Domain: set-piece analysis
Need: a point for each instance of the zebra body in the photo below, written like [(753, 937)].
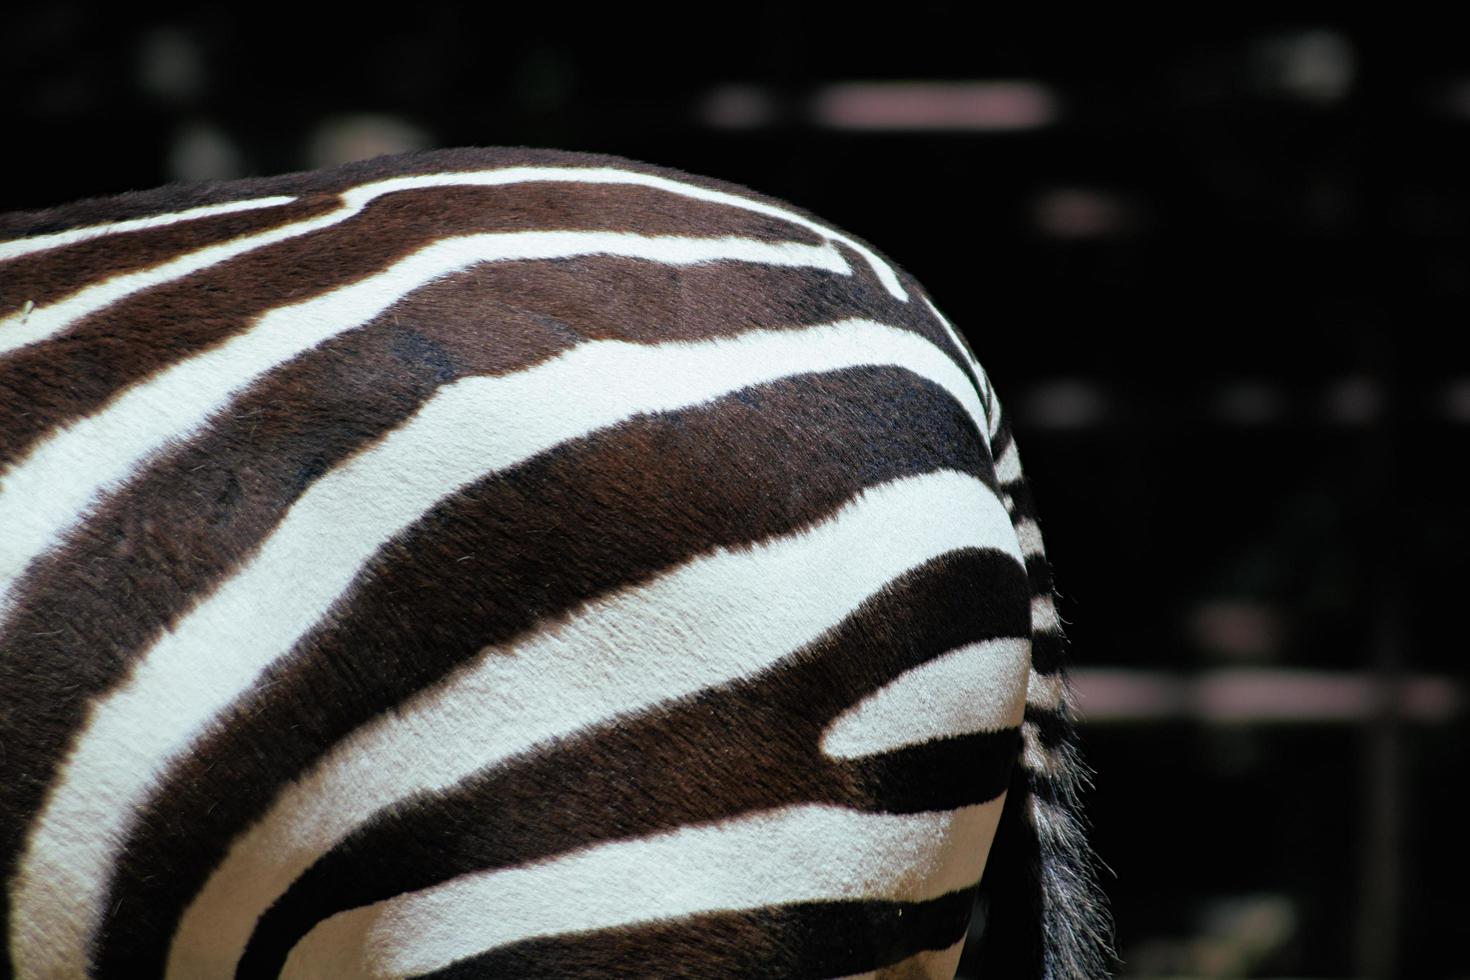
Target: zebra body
[(512, 563)]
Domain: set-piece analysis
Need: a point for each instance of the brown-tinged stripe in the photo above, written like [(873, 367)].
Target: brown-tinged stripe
[(596, 514), (55, 273), (815, 940), (51, 383), (747, 745)]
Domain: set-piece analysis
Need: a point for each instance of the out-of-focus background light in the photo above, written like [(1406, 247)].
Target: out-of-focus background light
[(934, 106)]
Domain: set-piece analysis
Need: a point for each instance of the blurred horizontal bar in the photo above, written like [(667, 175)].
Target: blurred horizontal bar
[(1080, 213), (935, 106), (738, 107), (1256, 696), (1344, 402)]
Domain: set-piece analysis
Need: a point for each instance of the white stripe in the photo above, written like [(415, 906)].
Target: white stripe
[(1046, 690), (1028, 532), (954, 338), (49, 491), (457, 437), (796, 854), (994, 402), (1008, 466), (40, 243), (47, 321), (726, 615), (1033, 754), (986, 391), (1044, 618), (980, 687), (1053, 823)]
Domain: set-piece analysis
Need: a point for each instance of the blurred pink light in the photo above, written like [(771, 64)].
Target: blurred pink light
[(1074, 212), (1127, 695), (935, 106), (1237, 628), (738, 107), (1259, 696)]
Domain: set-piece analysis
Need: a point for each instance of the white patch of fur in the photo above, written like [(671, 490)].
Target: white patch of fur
[(987, 391), (1029, 534), (1044, 618), (51, 319), (1046, 690), (1008, 466), (794, 854), (1033, 754), (49, 490), (979, 687), (309, 562)]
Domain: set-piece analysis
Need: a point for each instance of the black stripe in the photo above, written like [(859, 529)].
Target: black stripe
[(1003, 439), (588, 517), (1054, 728), (962, 353), (1048, 647), (805, 940), (46, 276)]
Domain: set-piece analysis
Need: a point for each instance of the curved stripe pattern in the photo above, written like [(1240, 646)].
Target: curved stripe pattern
[(46, 492), (511, 563), (783, 857), (20, 330), (313, 557), (507, 702)]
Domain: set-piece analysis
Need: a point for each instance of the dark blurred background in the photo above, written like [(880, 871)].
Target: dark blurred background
[(1217, 274)]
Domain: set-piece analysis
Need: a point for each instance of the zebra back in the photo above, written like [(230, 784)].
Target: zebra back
[(501, 562)]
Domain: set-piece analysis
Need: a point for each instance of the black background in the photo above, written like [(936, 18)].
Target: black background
[(1237, 368)]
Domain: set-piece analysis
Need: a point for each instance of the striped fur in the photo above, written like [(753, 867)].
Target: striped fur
[(513, 563)]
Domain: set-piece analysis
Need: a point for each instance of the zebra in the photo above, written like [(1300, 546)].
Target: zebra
[(500, 562)]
